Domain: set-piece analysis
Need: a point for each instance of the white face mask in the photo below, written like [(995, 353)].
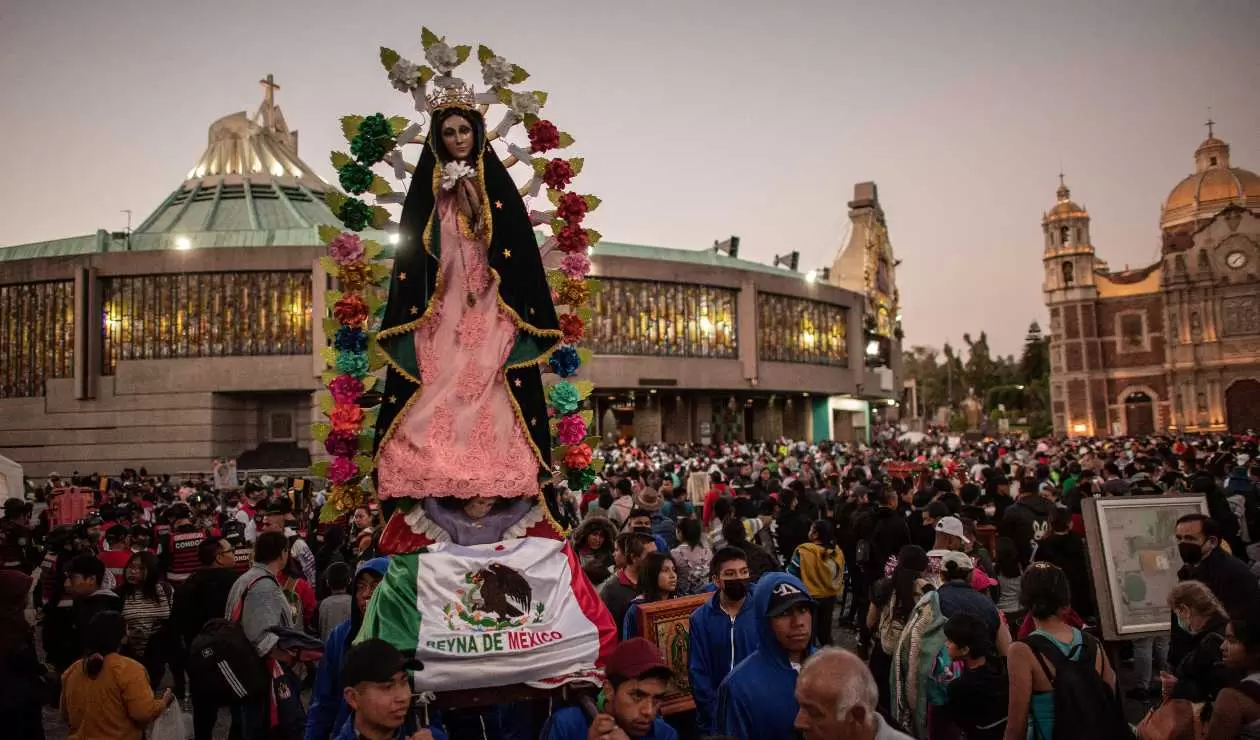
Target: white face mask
[(989, 511)]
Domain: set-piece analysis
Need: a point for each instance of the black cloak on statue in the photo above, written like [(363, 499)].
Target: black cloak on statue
[(522, 287)]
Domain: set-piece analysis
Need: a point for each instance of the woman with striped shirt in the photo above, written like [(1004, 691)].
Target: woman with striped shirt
[(147, 610)]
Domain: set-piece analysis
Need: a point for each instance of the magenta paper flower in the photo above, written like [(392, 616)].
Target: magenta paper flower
[(342, 470), (345, 389), (342, 444), (576, 265), (570, 429), (346, 248)]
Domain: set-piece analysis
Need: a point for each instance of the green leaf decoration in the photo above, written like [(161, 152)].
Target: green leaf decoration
[(426, 73), (519, 75), (398, 124), (331, 326), (556, 224), (557, 453), (379, 186), (334, 200), (585, 355), (553, 196), (555, 278), (376, 361), (321, 431), (428, 38), (591, 202), (350, 126), (325, 402), (364, 462), (585, 315), (504, 95), (540, 166), (379, 273), (380, 217), (542, 97), (328, 233), (531, 120), (373, 302), (389, 58), (329, 356), (340, 159), (462, 52), (597, 465), (320, 469), (365, 443), (328, 512), (576, 163), (584, 387), (566, 141), (329, 266), (327, 376), (370, 417), (332, 296), (373, 249), (593, 236), (484, 54), (588, 416), (369, 381)]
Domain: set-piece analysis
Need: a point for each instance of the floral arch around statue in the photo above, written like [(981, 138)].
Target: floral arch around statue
[(463, 440)]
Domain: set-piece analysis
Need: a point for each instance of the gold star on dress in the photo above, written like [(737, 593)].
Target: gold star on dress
[(507, 253), (393, 399), (414, 310), (402, 276), (517, 382), (533, 421), (498, 204)]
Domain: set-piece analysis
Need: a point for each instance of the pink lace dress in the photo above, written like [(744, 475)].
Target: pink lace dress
[(460, 435)]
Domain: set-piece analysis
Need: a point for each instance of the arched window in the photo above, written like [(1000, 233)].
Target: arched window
[(1069, 278), (1064, 232)]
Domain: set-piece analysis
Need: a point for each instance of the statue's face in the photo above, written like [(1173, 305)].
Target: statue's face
[(479, 507), (457, 135)]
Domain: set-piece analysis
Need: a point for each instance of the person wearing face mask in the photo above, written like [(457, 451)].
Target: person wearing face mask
[(723, 631), (1228, 578), (1201, 673)]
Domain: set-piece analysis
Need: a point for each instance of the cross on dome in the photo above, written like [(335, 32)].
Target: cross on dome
[(267, 111)]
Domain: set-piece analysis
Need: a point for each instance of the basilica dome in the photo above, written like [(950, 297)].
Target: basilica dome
[(1213, 186)]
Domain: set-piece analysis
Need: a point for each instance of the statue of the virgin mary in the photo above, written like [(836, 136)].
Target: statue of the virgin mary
[(463, 444)]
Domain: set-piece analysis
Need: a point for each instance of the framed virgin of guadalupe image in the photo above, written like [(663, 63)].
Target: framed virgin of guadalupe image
[(667, 624), (1134, 561)]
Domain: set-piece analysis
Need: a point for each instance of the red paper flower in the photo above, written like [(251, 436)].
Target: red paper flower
[(571, 239), (351, 310), (346, 418), (573, 328), (543, 137), (571, 208), (559, 174), (578, 457)]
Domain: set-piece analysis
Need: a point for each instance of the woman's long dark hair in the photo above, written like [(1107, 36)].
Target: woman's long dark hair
[(1007, 558), (826, 537), (649, 575), (690, 530), (104, 635), (1044, 590), (148, 587), (912, 561)]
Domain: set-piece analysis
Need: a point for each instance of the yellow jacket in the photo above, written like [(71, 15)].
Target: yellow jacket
[(115, 705), (823, 576)]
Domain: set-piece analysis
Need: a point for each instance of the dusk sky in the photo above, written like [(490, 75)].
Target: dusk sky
[(697, 120)]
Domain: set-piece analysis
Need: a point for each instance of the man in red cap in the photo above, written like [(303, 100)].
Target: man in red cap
[(637, 678)]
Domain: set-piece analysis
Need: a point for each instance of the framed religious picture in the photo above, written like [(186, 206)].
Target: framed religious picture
[(1134, 561), (668, 625)]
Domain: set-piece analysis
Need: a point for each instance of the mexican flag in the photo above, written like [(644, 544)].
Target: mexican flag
[(518, 611)]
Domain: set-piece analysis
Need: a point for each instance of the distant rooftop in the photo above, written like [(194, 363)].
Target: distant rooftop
[(706, 257)]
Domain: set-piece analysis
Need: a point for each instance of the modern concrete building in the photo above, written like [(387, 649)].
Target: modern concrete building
[(1174, 345), (198, 335)]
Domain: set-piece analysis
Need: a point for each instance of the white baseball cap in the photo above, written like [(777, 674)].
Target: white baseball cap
[(951, 525)]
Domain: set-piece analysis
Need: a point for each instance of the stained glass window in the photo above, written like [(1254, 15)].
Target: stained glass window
[(36, 336), (801, 330), (644, 317), (213, 314)]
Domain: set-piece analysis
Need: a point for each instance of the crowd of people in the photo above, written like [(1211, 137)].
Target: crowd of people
[(956, 571)]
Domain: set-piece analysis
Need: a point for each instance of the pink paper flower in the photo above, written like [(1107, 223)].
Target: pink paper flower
[(342, 470), (570, 430), (345, 389), (346, 248), (576, 266)]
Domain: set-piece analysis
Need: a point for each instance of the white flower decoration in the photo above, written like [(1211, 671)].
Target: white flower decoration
[(525, 104), (453, 172), (442, 57), (497, 72), (404, 76)]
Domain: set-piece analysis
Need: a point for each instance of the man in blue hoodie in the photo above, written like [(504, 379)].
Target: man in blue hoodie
[(723, 632), (758, 699), (378, 690), (329, 710)]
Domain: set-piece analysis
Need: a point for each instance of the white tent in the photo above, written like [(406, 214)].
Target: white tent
[(10, 479)]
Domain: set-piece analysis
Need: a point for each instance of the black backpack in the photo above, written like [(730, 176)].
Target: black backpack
[(222, 662), (1085, 707)]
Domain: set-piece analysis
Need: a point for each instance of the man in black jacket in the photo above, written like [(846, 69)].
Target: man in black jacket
[(791, 528), (84, 578), (1066, 549), (1228, 578), (1026, 521), (880, 535), (200, 598)]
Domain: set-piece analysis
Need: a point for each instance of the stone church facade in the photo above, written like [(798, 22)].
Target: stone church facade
[(1172, 346)]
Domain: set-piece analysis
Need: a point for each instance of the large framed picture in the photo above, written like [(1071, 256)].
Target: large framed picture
[(1134, 561), (667, 624)]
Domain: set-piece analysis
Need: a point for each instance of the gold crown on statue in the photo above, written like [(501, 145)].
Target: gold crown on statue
[(454, 96)]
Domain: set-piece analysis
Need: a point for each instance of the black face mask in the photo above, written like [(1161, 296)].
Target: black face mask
[(735, 590), (1190, 552)]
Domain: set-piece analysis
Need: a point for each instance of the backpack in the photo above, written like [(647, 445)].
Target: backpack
[(222, 662), (920, 665), (1085, 707)]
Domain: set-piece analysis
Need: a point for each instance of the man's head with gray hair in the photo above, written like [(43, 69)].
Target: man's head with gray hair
[(837, 696)]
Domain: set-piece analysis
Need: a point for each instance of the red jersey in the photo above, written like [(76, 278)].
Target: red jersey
[(115, 562), (243, 555), (183, 552)]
